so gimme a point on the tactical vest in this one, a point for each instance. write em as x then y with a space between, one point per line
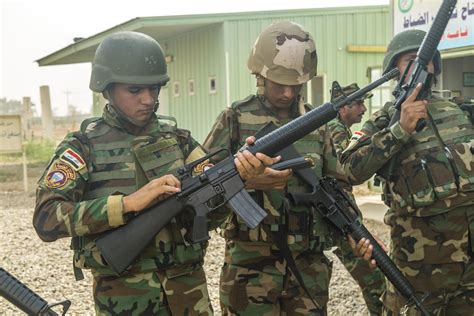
120 163
306 228
435 169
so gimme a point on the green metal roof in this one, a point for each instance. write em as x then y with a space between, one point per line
165 27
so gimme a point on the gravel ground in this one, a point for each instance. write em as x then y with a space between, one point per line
47 267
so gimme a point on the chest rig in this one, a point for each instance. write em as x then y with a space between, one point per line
435 169
121 163
304 226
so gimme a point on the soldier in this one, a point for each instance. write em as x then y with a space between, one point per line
347 116
117 166
428 185
257 276
372 282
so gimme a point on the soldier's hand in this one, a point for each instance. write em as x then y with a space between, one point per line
412 111
151 193
251 166
270 179
363 249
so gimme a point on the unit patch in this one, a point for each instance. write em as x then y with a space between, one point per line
201 167
58 176
73 159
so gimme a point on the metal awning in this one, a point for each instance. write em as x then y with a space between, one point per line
160 28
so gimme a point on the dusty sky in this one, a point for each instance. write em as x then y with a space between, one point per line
31 29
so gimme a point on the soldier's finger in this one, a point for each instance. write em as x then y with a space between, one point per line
286 173
243 161
368 253
267 160
250 140
254 162
414 94
172 180
240 167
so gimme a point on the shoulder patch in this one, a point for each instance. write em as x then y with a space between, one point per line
357 135
59 175
73 159
238 104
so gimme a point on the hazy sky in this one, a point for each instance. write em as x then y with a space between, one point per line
32 29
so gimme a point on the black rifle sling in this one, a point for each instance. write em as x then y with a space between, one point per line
281 238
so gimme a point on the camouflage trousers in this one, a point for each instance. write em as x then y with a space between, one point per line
245 291
371 282
450 289
152 293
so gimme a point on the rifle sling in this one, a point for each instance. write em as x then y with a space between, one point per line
282 244
307 175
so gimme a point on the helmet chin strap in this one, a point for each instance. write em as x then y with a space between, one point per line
260 85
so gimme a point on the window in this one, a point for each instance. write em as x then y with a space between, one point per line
191 87
382 94
176 89
212 85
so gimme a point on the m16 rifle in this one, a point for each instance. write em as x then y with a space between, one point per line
121 246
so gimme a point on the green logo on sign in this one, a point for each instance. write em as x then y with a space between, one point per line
405 5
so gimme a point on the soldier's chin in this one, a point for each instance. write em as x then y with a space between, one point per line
283 103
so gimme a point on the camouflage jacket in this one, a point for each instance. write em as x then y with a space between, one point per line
304 226
340 133
425 174
80 194
433 171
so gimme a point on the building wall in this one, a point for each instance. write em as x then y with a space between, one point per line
197 55
202 53
453 74
332 29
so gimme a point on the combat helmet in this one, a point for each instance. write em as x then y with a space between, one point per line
404 42
284 53
337 91
128 57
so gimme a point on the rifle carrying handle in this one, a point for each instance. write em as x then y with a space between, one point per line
24 298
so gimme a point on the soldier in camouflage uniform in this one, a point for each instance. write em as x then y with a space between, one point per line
372 282
429 187
347 116
256 278
117 166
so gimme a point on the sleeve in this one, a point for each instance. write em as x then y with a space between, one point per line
371 148
60 210
223 135
331 164
339 135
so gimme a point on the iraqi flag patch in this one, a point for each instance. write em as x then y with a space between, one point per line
357 135
73 159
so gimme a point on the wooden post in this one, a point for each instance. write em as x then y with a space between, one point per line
25 173
26 115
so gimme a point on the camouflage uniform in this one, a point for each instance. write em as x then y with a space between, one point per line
340 132
372 282
429 187
80 195
255 278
